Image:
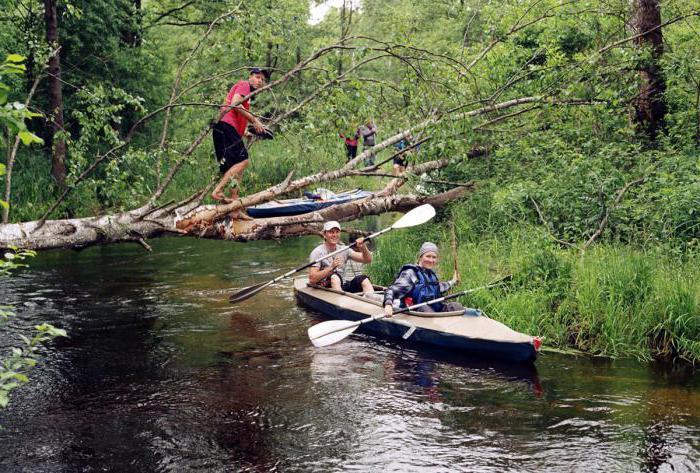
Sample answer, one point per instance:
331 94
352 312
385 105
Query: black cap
257 70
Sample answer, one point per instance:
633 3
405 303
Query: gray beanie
427 246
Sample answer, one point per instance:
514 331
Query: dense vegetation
590 204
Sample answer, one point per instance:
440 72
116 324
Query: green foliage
118 183
13 259
613 301
16 364
14 114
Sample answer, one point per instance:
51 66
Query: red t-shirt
235 118
349 140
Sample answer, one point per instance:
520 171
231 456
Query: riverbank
612 300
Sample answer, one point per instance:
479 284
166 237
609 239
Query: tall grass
613 300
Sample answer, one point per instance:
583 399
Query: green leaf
21 377
28 137
15 58
51 330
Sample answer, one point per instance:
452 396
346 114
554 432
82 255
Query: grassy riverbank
612 300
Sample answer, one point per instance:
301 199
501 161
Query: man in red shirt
228 134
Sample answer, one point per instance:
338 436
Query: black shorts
352 151
400 161
354 285
228 146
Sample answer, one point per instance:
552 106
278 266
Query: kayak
468 331
281 208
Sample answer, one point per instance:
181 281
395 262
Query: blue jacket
417 283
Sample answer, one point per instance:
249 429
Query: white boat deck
475 327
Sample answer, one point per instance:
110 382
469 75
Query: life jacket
426 289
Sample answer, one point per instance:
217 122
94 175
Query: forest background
575 123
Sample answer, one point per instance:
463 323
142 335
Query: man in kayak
418 283
229 132
329 272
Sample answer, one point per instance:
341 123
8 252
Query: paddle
414 217
332 331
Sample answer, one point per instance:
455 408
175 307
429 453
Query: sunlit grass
612 300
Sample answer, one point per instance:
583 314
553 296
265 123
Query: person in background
351 144
329 272
228 133
417 283
368 132
401 161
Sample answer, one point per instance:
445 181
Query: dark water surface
162 374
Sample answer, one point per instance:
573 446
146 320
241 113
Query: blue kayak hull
290 207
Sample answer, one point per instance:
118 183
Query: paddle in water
332 331
415 217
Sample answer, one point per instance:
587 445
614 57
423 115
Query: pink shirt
235 118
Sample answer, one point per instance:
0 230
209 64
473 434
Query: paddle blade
330 332
246 292
417 216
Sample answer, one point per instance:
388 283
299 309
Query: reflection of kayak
469 332
280 208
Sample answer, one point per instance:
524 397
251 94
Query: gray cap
331 224
426 247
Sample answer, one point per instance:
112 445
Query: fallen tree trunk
131 226
215 213
311 223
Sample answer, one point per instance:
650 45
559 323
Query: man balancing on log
229 132
329 272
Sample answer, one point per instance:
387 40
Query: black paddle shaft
329 255
250 291
451 296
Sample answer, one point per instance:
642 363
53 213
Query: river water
161 373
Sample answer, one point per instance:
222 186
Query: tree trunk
649 106
58 144
134 227
345 18
132 33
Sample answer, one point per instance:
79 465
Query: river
161 373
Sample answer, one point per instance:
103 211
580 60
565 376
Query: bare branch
170 12
13 154
606 216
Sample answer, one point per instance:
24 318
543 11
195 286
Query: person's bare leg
240 167
217 193
240 213
367 287
335 282
234 172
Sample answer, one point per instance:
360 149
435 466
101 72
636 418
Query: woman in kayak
418 283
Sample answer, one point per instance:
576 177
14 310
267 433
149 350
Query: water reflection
162 374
